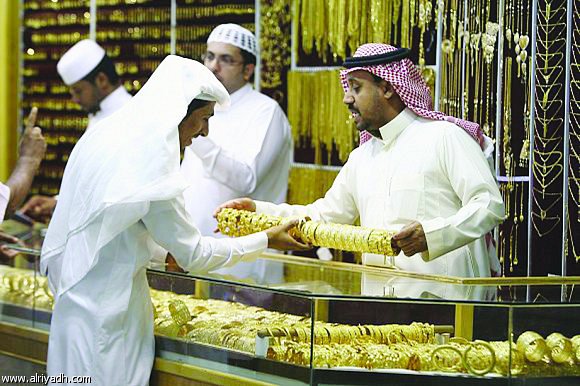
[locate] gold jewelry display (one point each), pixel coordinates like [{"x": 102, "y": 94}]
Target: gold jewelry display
[
  {"x": 233, "y": 222},
  {"x": 326, "y": 122},
  {"x": 236, "y": 326}
]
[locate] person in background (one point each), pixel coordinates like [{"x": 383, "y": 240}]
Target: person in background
[
  {"x": 248, "y": 151},
  {"x": 31, "y": 152},
  {"x": 418, "y": 172},
  {"x": 95, "y": 86}
]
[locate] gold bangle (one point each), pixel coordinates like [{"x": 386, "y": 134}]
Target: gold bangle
[
  {"x": 576, "y": 347},
  {"x": 436, "y": 360},
  {"x": 471, "y": 369},
  {"x": 532, "y": 345},
  {"x": 560, "y": 348},
  {"x": 179, "y": 312}
]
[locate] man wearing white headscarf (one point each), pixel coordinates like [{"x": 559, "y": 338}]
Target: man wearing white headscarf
[
  {"x": 121, "y": 197},
  {"x": 95, "y": 86},
  {"x": 248, "y": 151}
]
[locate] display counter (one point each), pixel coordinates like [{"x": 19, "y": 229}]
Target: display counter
[{"x": 330, "y": 323}]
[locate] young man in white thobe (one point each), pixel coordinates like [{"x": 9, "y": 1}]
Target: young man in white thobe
[
  {"x": 420, "y": 173},
  {"x": 248, "y": 151},
  {"x": 95, "y": 86},
  {"x": 121, "y": 198}
]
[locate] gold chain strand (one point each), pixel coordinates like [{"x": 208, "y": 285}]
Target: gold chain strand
[
  {"x": 233, "y": 222},
  {"x": 338, "y": 24},
  {"x": 274, "y": 44},
  {"x": 549, "y": 162},
  {"x": 328, "y": 122}
]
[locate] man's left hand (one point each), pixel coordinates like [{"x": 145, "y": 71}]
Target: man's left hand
[{"x": 411, "y": 239}]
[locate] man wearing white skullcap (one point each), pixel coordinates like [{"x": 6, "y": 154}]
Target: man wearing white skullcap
[
  {"x": 248, "y": 150},
  {"x": 93, "y": 84}
]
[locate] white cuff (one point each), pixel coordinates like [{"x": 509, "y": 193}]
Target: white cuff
[{"x": 4, "y": 198}]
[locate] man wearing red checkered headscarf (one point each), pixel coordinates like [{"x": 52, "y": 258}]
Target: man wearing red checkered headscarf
[
  {"x": 392, "y": 65},
  {"x": 419, "y": 172}
]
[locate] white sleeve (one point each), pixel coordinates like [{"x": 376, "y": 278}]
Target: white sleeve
[
  {"x": 467, "y": 170},
  {"x": 171, "y": 228},
  {"x": 4, "y": 198},
  {"x": 337, "y": 206},
  {"x": 241, "y": 171}
]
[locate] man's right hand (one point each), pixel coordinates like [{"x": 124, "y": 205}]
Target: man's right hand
[
  {"x": 40, "y": 208},
  {"x": 280, "y": 238},
  {"x": 244, "y": 203},
  {"x": 33, "y": 144},
  {"x": 7, "y": 253}
]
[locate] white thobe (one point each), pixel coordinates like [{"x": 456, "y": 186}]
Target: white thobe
[
  {"x": 419, "y": 170},
  {"x": 246, "y": 154},
  {"x": 4, "y": 198},
  {"x": 105, "y": 321},
  {"x": 111, "y": 103}
]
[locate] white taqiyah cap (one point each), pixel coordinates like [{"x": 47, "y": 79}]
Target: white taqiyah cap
[
  {"x": 235, "y": 35},
  {"x": 79, "y": 61}
]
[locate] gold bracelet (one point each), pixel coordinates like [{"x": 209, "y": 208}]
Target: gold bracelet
[
  {"x": 454, "y": 367},
  {"x": 532, "y": 345},
  {"x": 560, "y": 348},
  {"x": 470, "y": 368}
]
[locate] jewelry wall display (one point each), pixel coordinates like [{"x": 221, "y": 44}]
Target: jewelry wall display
[
  {"x": 49, "y": 30},
  {"x": 307, "y": 183},
  {"x": 451, "y": 56},
  {"x": 573, "y": 245},
  {"x": 326, "y": 123},
  {"x": 274, "y": 43},
  {"x": 196, "y": 19},
  {"x": 332, "y": 29},
  {"x": 549, "y": 164}
]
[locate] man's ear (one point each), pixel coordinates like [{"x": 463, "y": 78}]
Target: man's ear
[
  {"x": 102, "y": 81},
  {"x": 248, "y": 71},
  {"x": 388, "y": 89}
]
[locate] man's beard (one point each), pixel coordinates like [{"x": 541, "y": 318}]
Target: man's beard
[{"x": 93, "y": 109}]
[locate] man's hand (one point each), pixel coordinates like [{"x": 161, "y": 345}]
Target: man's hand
[
  {"x": 411, "y": 239},
  {"x": 6, "y": 252},
  {"x": 39, "y": 208},
  {"x": 238, "y": 203},
  {"x": 32, "y": 145},
  {"x": 280, "y": 238}
]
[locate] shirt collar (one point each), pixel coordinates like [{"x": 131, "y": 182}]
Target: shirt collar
[
  {"x": 240, "y": 93},
  {"x": 111, "y": 100},
  {"x": 391, "y": 130}
]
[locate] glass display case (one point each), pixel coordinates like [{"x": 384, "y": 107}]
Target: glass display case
[{"x": 329, "y": 323}]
